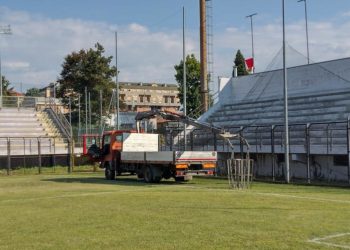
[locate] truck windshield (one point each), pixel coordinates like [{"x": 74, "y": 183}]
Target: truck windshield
[{"x": 119, "y": 138}]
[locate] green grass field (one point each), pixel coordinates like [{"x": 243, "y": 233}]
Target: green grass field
[{"x": 84, "y": 211}]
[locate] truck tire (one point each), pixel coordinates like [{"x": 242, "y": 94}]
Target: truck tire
[
  {"x": 157, "y": 173},
  {"x": 147, "y": 174},
  {"x": 109, "y": 172}
]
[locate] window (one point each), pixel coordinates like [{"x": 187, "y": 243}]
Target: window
[{"x": 119, "y": 138}]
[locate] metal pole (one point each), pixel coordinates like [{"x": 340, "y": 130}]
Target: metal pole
[
  {"x": 184, "y": 62},
  {"x": 308, "y": 158},
  {"x": 252, "y": 34},
  {"x": 273, "y": 152},
  {"x": 285, "y": 92},
  {"x": 86, "y": 112},
  {"x": 79, "y": 125},
  {"x": 6, "y": 31},
  {"x": 184, "y": 72},
  {"x": 89, "y": 113},
  {"x": 100, "y": 111},
  {"x": 116, "y": 78},
  {"x": 307, "y": 31},
  {"x": 70, "y": 110},
  {"x": 203, "y": 57}
]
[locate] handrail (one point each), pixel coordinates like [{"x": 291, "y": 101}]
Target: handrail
[{"x": 61, "y": 120}]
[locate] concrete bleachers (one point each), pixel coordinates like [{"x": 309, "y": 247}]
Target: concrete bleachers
[
  {"x": 303, "y": 109},
  {"x": 20, "y": 123},
  {"x": 319, "y": 95},
  {"x": 25, "y": 129}
]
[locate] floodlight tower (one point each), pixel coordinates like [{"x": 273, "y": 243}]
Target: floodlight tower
[{"x": 4, "y": 30}]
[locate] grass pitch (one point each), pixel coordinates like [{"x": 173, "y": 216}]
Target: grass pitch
[{"x": 84, "y": 211}]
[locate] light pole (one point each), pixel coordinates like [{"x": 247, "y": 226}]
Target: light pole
[
  {"x": 4, "y": 30},
  {"x": 307, "y": 31},
  {"x": 285, "y": 94},
  {"x": 116, "y": 77},
  {"x": 184, "y": 73},
  {"x": 252, "y": 33}
]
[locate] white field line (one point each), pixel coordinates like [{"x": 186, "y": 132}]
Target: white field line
[
  {"x": 304, "y": 197},
  {"x": 159, "y": 188},
  {"x": 271, "y": 194},
  {"x": 67, "y": 196},
  {"x": 321, "y": 241}
]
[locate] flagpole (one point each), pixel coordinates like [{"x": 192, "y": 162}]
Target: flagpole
[{"x": 252, "y": 34}]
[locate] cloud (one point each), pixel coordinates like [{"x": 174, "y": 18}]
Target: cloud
[
  {"x": 16, "y": 65},
  {"x": 34, "y": 53}
]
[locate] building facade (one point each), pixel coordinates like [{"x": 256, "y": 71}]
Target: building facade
[{"x": 147, "y": 96}]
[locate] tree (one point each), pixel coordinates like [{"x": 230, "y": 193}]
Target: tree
[
  {"x": 34, "y": 92},
  {"x": 5, "y": 86},
  {"x": 193, "y": 101},
  {"x": 90, "y": 69},
  {"x": 240, "y": 64}
]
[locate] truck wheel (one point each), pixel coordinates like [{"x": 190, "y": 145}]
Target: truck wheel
[
  {"x": 157, "y": 173},
  {"x": 147, "y": 174},
  {"x": 109, "y": 173}
]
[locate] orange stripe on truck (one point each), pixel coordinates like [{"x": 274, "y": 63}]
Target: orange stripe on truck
[{"x": 209, "y": 165}]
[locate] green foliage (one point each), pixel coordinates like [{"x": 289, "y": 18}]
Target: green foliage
[
  {"x": 240, "y": 64},
  {"x": 192, "y": 84},
  {"x": 90, "y": 69},
  {"x": 34, "y": 92},
  {"x": 5, "y": 86}
]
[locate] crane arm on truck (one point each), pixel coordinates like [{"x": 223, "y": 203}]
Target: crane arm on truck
[{"x": 172, "y": 116}]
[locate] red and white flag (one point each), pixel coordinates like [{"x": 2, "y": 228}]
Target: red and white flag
[{"x": 250, "y": 64}]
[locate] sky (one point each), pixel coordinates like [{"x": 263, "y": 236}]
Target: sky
[{"x": 150, "y": 35}]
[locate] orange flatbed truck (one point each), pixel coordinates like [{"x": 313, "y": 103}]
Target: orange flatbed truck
[{"x": 130, "y": 151}]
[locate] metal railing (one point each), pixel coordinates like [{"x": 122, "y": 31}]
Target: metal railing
[
  {"x": 306, "y": 140},
  {"x": 24, "y": 152}
]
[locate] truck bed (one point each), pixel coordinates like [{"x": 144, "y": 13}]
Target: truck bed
[{"x": 169, "y": 157}]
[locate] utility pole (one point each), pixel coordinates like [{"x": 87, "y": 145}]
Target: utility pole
[
  {"x": 116, "y": 78},
  {"x": 86, "y": 111},
  {"x": 252, "y": 33},
  {"x": 4, "y": 30},
  {"x": 89, "y": 113},
  {"x": 203, "y": 56},
  {"x": 101, "y": 111},
  {"x": 307, "y": 31},
  {"x": 184, "y": 72},
  {"x": 285, "y": 92},
  {"x": 79, "y": 106}
]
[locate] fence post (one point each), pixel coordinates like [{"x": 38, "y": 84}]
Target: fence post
[
  {"x": 215, "y": 143},
  {"x": 308, "y": 148},
  {"x": 240, "y": 141},
  {"x": 191, "y": 138},
  {"x": 39, "y": 155},
  {"x": 54, "y": 153},
  {"x": 70, "y": 156},
  {"x": 273, "y": 152},
  {"x": 24, "y": 154},
  {"x": 8, "y": 156}
]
